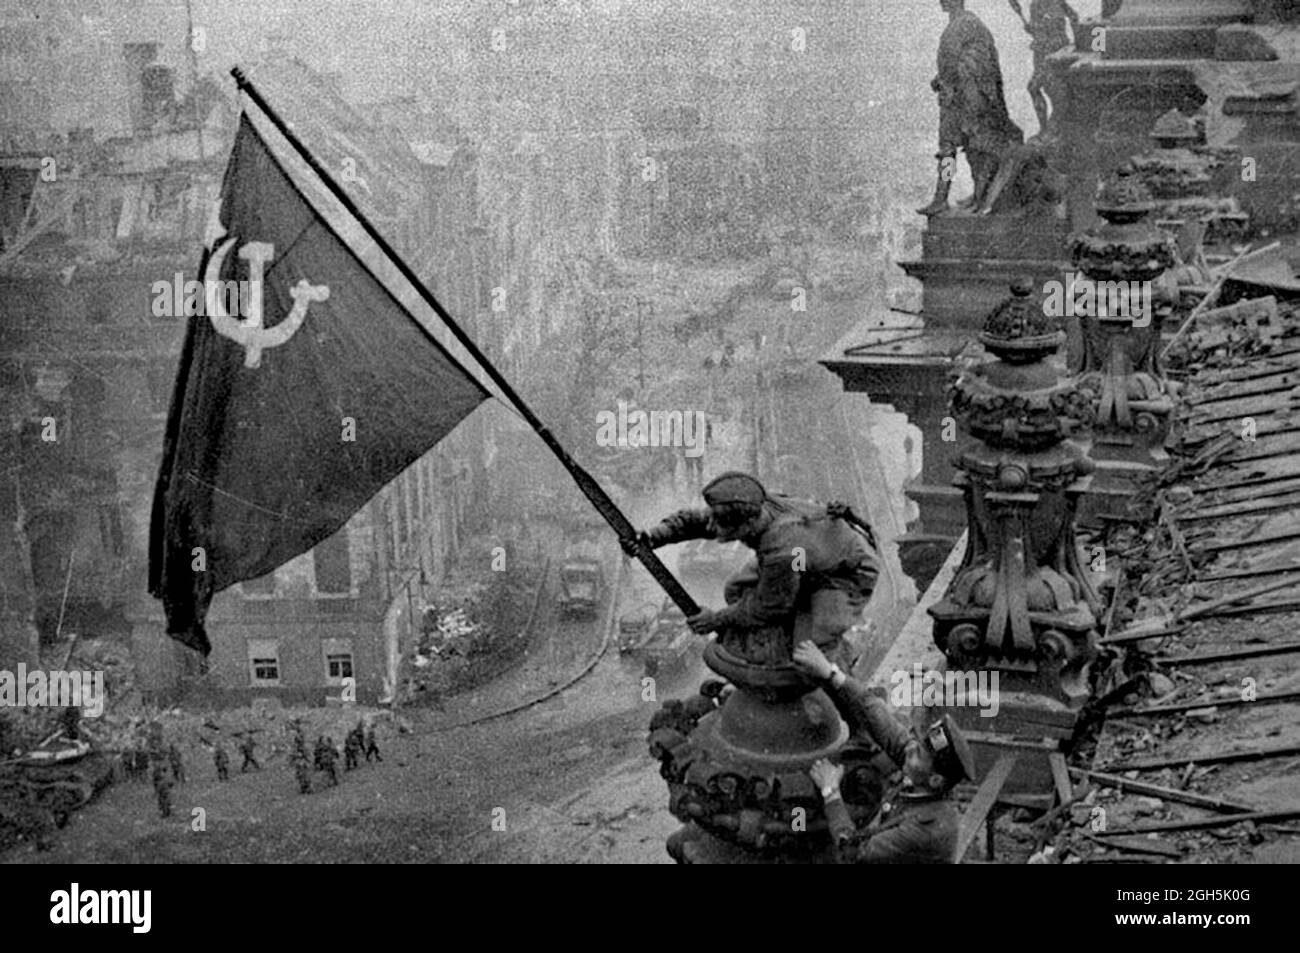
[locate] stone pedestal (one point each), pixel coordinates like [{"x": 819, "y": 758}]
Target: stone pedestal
[
  {"x": 1122, "y": 305},
  {"x": 1021, "y": 606},
  {"x": 737, "y": 763},
  {"x": 969, "y": 260}
]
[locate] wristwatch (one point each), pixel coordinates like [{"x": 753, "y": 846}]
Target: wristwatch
[
  {"x": 836, "y": 677},
  {"x": 830, "y": 793}
]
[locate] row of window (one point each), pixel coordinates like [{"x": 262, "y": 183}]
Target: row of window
[{"x": 264, "y": 662}]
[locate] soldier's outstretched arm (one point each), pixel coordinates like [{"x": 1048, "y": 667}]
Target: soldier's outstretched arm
[
  {"x": 868, "y": 713},
  {"x": 679, "y": 527}
]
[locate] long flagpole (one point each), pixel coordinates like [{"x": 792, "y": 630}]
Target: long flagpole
[{"x": 592, "y": 490}]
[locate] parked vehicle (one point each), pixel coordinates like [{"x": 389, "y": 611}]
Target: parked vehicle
[
  {"x": 57, "y": 776},
  {"x": 670, "y": 642},
  {"x": 582, "y": 581},
  {"x": 636, "y": 626}
]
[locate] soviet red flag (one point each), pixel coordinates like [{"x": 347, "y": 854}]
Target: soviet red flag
[{"x": 294, "y": 406}]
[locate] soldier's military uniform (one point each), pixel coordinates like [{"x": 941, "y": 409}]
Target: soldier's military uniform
[
  {"x": 352, "y": 746},
  {"x": 372, "y": 745},
  {"x": 248, "y": 747},
  {"x": 913, "y": 826},
  {"x": 329, "y": 756},
  {"x": 302, "y": 771},
  {"x": 162, "y": 787},
  {"x": 299, "y": 742},
  {"x": 177, "y": 763},
  {"x": 812, "y": 575},
  {"x": 222, "y": 761}
]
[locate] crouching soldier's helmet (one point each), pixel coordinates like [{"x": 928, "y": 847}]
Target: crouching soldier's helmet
[
  {"x": 734, "y": 498},
  {"x": 951, "y": 751}
]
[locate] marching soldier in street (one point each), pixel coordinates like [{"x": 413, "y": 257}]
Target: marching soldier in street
[
  {"x": 155, "y": 741},
  {"x": 162, "y": 787},
  {"x": 814, "y": 571},
  {"x": 222, "y": 762},
  {"x": 176, "y": 763},
  {"x": 302, "y": 770},
  {"x": 372, "y": 745},
  {"x": 248, "y": 748},
  {"x": 298, "y": 741},
  {"x": 352, "y": 746},
  {"x": 917, "y": 823},
  {"x": 329, "y": 756}
]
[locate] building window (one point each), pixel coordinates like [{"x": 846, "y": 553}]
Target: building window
[
  {"x": 331, "y": 565},
  {"x": 338, "y": 660},
  {"x": 264, "y": 662}
]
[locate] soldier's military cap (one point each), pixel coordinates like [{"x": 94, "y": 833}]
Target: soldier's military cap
[
  {"x": 734, "y": 487},
  {"x": 952, "y": 754}
]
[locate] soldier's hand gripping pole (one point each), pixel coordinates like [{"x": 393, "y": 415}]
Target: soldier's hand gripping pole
[{"x": 631, "y": 541}]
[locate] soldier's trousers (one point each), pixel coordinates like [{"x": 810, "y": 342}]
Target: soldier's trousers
[{"x": 823, "y": 617}]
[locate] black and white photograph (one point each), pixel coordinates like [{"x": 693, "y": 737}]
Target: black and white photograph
[{"x": 651, "y": 432}]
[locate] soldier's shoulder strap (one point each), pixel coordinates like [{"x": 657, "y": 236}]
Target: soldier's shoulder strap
[{"x": 842, "y": 511}]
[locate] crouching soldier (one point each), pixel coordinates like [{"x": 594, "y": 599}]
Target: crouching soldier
[
  {"x": 815, "y": 568},
  {"x": 917, "y": 823}
]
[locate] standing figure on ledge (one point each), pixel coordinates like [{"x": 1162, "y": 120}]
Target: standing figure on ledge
[
  {"x": 917, "y": 823},
  {"x": 814, "y": 572},
  {"x": 972, "y": 108},
  {"x": 1046, "y": 23}
]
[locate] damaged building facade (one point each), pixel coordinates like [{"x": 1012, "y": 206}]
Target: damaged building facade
[{"x": 98, "y": 212}]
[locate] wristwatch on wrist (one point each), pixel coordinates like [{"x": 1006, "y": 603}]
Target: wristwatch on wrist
[
  {"x": 830, "y": 793},
  {"x": 836, "y": 678}
]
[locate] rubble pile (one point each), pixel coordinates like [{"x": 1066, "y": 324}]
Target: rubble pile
[{"x": 475, "y": 631}]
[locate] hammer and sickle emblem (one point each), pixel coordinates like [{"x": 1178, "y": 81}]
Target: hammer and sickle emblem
[{"x": 251, "y": 334}]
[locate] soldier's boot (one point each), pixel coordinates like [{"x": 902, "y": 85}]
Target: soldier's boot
[{"x": 942, "y": 185}]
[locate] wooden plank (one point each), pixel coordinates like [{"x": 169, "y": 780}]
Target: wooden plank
[
  {"x": 979, "y": 807},
  {"x": 1235, "y": 699},
  {"x": 1253, "y": 754},
  {"x": 994, "y": 739},
  {"x": 1137, "y": 845},
  {"x": 1164, "y": 793},
  {"x": 1256, "y": 651},
  {"x": 1061, "y": 776},
  {"x": 1204, "y": 823}
]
